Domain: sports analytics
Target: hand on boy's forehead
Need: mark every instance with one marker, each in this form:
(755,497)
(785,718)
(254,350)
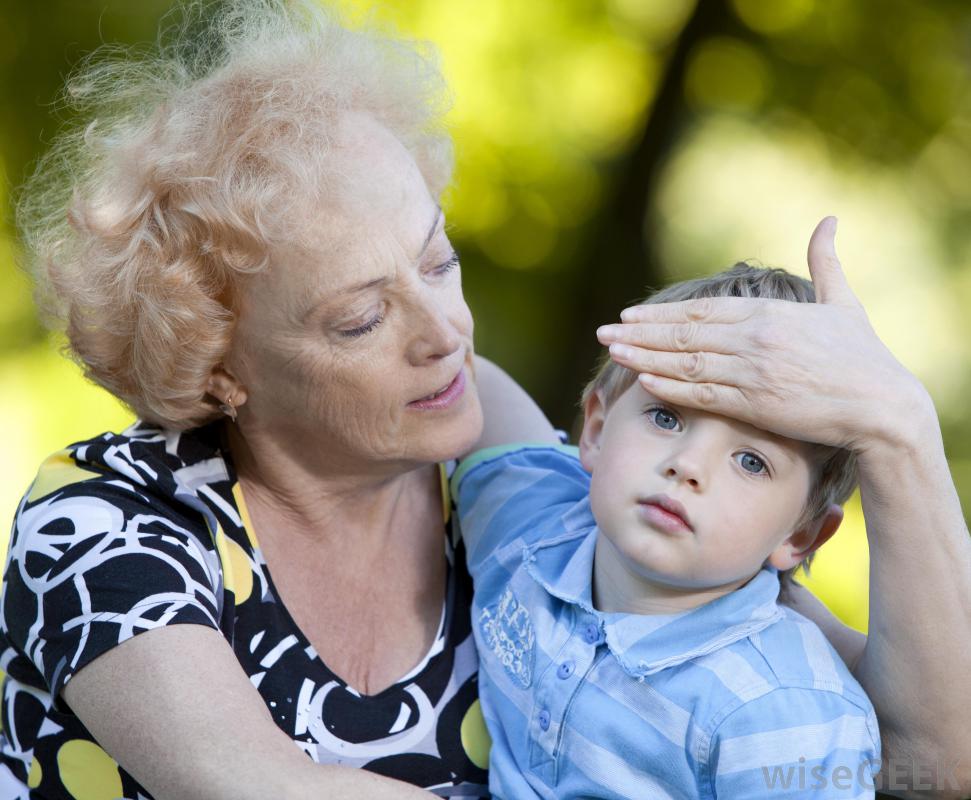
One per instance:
(789,448)
(766,361)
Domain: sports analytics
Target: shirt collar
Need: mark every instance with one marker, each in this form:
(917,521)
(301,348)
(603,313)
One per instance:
(648,643)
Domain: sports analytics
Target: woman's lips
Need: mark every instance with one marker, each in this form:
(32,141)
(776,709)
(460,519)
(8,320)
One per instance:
(445,398)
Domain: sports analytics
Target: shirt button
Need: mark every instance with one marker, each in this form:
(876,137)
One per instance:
(544,719)
(565,670)
(591,633)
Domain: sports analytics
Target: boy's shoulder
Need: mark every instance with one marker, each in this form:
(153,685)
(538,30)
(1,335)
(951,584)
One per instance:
(523,464)
(781,702)
(787,669)
(799,655)
(518,495)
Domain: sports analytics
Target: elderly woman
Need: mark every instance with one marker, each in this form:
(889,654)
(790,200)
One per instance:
(246,247)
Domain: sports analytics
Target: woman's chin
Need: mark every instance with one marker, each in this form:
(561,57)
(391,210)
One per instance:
(448,438)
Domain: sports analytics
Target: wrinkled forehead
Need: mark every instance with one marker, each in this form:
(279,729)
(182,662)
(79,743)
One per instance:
(373,213)
(368,182)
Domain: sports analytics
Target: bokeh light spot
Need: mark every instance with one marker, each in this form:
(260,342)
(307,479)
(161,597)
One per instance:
(773,16)
(728,74)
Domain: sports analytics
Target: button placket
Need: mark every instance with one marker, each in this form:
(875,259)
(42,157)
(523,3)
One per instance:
(571,675)
(557,687)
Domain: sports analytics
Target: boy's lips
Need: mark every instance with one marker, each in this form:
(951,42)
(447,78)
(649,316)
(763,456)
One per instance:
(671,508)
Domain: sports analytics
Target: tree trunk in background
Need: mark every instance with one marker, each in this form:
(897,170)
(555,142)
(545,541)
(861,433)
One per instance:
(620,259)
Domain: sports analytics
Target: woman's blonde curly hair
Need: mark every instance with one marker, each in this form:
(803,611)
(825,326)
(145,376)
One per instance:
(141,222)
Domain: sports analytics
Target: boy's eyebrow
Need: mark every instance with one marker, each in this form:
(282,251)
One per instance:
(781,443)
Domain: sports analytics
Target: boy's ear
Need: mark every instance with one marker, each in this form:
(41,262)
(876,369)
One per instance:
(808,539)
(594,414)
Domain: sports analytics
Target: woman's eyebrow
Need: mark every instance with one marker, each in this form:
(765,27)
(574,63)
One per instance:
(439,216)
(374,282)
(360,287)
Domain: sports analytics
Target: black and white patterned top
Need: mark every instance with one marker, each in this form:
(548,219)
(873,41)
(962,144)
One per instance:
(127,532)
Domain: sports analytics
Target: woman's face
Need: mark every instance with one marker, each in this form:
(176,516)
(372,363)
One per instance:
(339,346)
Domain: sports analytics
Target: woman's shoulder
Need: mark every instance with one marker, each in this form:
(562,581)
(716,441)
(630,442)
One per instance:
(112,538)
(145,489)
(135,507)
(142,464)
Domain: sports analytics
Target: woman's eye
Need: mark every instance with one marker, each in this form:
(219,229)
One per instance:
(663,418)
(752,463)
(449,265)
(367,327)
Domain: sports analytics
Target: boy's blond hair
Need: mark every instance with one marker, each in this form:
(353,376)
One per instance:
(835,473)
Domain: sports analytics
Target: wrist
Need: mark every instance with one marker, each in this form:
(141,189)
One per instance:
(904,461)
(906,425)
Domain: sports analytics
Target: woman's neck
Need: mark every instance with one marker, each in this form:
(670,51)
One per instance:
(319,501)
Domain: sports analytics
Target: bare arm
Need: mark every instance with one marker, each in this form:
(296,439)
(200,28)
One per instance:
(510,414)
(919,606)
(917,660)
(140,700)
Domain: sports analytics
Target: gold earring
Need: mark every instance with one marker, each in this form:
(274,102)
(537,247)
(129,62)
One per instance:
(228,408)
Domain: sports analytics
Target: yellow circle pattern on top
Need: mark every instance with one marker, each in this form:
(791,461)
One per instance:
(475,736)
(57,471)
(242,571)
(36,774)
(237,573)
(88,772)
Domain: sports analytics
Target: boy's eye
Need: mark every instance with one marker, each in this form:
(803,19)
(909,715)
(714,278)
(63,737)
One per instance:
(663,418)
(752,463)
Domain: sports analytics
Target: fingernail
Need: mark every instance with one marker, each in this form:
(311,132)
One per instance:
(608,332)
(621,351)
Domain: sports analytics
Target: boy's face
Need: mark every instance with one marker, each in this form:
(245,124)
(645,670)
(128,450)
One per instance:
(741,489)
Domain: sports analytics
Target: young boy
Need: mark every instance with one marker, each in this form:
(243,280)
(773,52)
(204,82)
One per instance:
(625,611)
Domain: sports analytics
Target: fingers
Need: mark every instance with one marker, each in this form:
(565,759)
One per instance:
(716,398)
(705,309)
(679,337)
(693,367)
(825,268)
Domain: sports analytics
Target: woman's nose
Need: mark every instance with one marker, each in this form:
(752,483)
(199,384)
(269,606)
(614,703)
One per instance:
(435,336)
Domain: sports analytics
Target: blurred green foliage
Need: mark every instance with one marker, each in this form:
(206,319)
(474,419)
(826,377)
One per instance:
(605,146)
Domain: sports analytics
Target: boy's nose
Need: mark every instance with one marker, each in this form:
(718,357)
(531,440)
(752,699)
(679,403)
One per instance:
(682,468)
(683,476)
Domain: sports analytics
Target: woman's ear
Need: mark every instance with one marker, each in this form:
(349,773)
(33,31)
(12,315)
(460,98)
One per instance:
(594,413)
(225,387)
(807,539)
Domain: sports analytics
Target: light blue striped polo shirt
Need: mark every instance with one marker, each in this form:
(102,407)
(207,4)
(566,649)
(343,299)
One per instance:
(739,698)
